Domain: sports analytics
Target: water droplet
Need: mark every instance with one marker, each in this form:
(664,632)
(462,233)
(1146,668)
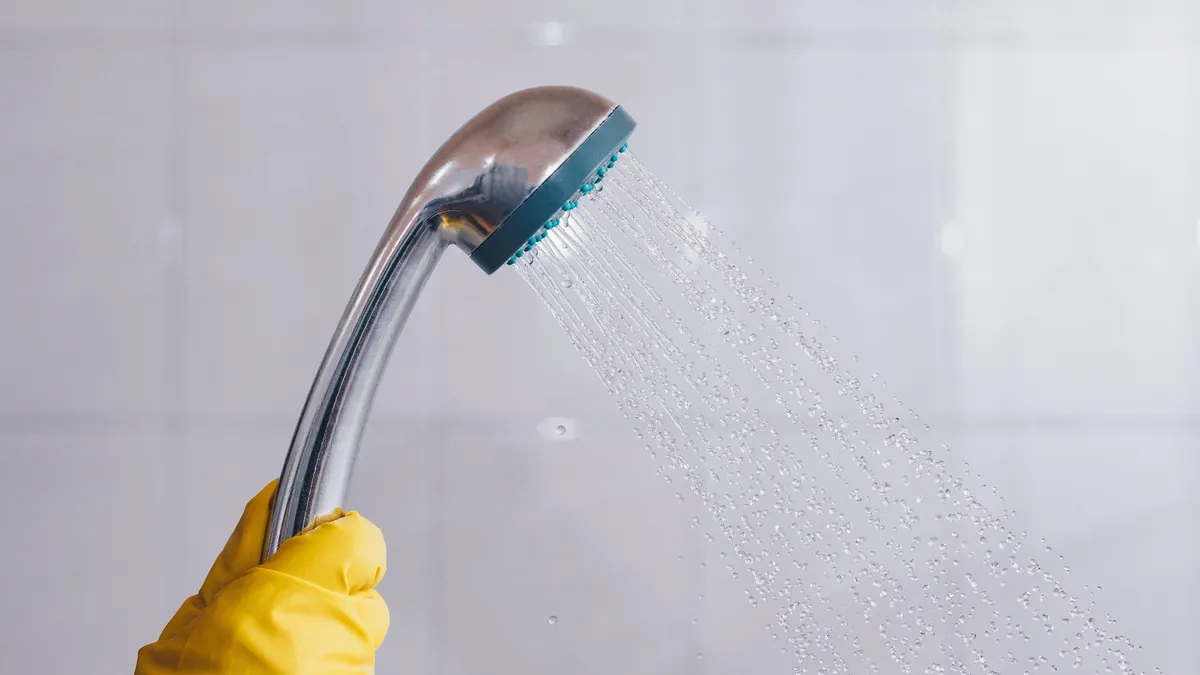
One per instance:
(553,619)
(560,430)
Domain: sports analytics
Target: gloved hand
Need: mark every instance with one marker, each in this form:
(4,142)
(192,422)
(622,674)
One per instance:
(310,609)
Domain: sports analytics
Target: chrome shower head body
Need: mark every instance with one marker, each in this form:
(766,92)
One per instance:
(494,189)
(504,175)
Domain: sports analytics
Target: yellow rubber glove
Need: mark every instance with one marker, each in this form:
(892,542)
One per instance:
(310,609)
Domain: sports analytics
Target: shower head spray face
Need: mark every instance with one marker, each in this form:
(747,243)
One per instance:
(494,189)
(593,183)
(509,172)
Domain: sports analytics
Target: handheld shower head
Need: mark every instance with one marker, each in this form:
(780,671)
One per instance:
(501,177)
(494,189)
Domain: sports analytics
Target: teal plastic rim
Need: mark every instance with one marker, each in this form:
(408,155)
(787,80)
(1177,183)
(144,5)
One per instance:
(548,198)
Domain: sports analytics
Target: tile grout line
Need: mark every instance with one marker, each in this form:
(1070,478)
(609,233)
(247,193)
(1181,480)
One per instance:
(23,424)
(175,295)
(650,37)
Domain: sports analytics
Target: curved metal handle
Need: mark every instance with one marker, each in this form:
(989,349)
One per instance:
(496,164)
(316,473)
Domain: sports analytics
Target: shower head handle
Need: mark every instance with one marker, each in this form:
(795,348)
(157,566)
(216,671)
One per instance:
(491,186)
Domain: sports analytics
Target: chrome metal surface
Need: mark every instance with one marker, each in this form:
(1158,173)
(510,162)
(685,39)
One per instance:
(487,168)
(464,193)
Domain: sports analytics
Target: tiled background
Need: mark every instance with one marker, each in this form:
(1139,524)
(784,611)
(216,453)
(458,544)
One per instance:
(998,203)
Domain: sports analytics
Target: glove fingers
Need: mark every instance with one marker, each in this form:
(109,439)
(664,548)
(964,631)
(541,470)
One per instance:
(244,547)
(240,555)
(345,556)
(374,616)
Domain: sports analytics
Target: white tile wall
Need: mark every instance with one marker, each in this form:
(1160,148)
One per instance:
(32,22)
(1075,193)
(85,148)
(518,538)
(1147,580)
(993,203)
(848,191)
(265,202)
(83,554)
